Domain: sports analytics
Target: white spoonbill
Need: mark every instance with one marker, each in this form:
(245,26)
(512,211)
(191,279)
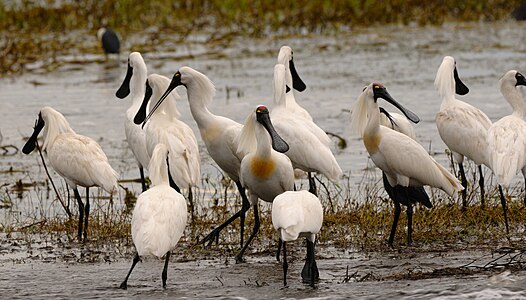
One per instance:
(507,137)
(165,127)
(133,84)
(307,152)
(159,216)
(109,41)
(77,158)
(462,127)
(219,134)
(297,214)
(265,171)
(409,195)
(293,81)
(404,161)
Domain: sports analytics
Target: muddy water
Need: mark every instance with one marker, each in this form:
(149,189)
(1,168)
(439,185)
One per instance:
(335,68)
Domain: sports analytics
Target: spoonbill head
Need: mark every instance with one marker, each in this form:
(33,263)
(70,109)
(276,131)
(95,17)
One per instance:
(403,160)
(298,214)
(462,127)
(109,41)
(159,217)
(135,64)
(77,158)
(286,58)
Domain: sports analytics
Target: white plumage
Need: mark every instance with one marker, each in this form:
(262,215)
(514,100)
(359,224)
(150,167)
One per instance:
(507,136)
(265,172)
(296,214)
(404,161)
(159,217)
(77,158)
(219,134)
(307,151)
(462,127)
(133,84)
(164,127)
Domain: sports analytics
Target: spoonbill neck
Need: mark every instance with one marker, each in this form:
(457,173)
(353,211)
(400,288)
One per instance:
(198,100)
(263,140)
(138,84)
(514,98)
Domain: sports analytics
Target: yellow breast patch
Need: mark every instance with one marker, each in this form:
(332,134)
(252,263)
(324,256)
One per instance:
(262,168)
(371,142)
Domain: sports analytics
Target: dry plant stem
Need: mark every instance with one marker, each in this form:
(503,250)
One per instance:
(68,212)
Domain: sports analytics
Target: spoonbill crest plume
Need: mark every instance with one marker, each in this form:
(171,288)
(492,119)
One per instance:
(133,84)
(294,215)
(77,158)
(265,171)
(507,137)
(159,217)
(462,127)
(219,134)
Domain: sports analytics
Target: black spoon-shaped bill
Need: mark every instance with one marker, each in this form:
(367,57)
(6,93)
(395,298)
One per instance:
(124,89)
(141,113)
(297,83)
(381,92)
(176,81)
(460,87)
(31,142)
(262,116)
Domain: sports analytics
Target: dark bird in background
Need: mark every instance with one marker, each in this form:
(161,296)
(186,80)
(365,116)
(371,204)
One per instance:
(109,41)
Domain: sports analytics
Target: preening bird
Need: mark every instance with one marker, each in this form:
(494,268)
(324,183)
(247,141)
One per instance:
(507,137)
(409,195)
(402,159)
(159,217)
(219,134)
(133,84)
(109,41)
(165,127)
(294,215)
(308,150)
(462,127)
(77,158)
(265,171)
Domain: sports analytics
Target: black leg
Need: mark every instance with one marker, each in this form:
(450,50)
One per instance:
(191,201)
(86,215)
(397,212)
(239,256)
(525,191)
(81,213)
(310,273)
(279,248)
(312,184)
(481,185)
(214,235)
(245,208)
(143,180)
(124,284)
(165,269)
(285,263)
(410,225)
(503,202)
(464,184)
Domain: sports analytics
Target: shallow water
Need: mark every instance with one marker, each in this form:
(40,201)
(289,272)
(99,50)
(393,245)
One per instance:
(335,68)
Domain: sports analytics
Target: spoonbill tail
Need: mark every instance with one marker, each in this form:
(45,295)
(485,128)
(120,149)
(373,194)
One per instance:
(77,158)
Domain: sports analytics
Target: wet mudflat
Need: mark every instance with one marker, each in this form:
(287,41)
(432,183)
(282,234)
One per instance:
(335,68)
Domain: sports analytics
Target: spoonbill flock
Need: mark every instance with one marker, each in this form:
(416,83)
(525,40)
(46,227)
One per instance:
(261,154)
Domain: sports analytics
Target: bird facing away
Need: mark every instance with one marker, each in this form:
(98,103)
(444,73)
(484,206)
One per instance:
(133,84)
(404,161)
(109,41)
(219,134)
(297,214)
(307,151)
(507,137)
(462,127)
(265,171)
(159,217)
(409,195)
(165,127)
(77,158)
